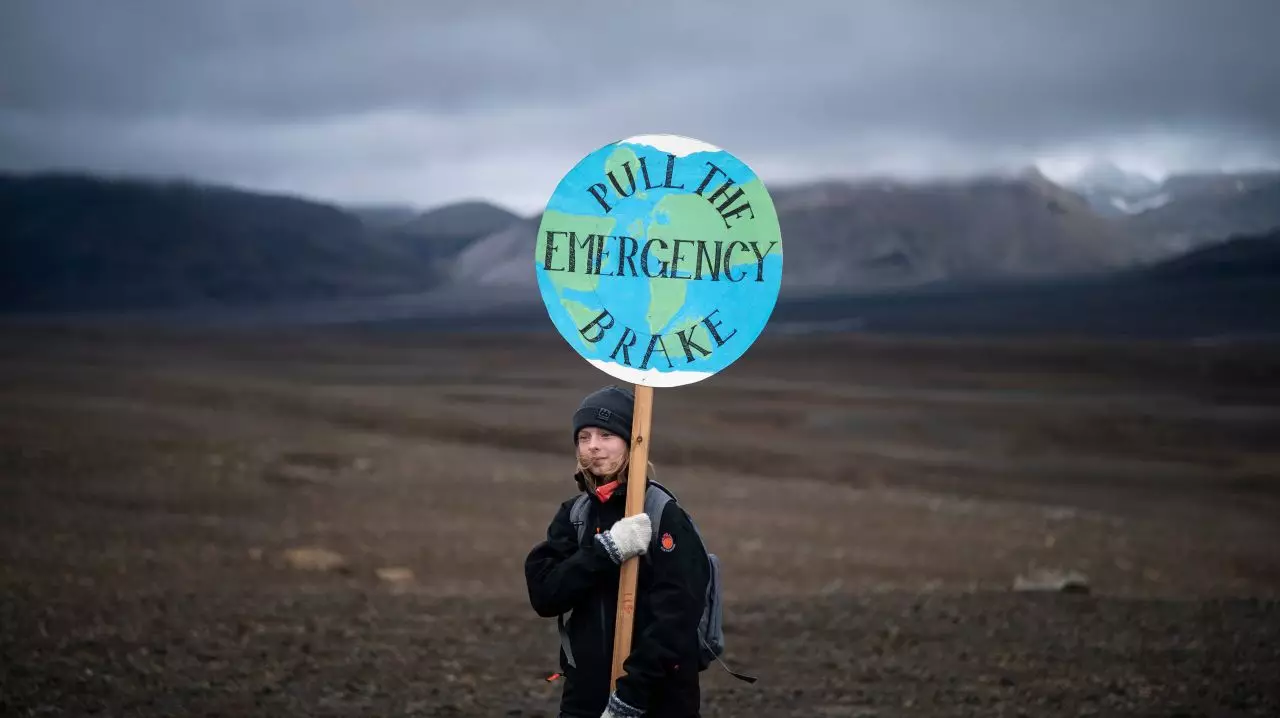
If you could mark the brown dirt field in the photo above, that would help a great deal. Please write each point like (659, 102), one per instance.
(872, 500)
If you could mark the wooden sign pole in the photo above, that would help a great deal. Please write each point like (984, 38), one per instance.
(637, 481)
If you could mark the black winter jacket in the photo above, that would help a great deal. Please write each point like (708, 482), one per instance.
(661, 673)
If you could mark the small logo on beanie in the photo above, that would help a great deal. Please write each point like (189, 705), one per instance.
(604, 414)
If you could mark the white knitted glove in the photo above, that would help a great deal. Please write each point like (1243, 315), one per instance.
(629, 537)
(618, 709)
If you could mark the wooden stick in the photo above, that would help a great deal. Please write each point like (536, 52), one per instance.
(637, 481)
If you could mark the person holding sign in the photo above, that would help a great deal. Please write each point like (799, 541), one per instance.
(575, 572)
(659, 259)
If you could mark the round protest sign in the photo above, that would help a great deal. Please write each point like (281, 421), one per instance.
(659, 259)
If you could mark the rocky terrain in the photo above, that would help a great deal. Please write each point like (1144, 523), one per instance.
(327, 523)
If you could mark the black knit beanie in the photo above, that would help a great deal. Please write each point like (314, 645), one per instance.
(609, 409)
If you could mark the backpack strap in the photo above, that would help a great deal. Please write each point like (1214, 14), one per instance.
(578, 515)
(562, 627)
(578, 519)
(656, 498)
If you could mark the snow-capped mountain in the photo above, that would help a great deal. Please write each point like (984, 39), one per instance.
(1114, 192)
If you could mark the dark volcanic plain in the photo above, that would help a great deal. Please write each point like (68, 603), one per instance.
(333, 523)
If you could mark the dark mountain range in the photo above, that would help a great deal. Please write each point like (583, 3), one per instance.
(1204, 209)
(1226, 291)
(1182, 212)
(383, 216)
(867, 235)
(877, 254)
(441, 233)
(1245, 257)
(1114, 192)
(471, 219)
(879, 234)
(74, 242)
(501, 259)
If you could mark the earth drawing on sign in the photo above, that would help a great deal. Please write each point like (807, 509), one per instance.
(659, 259)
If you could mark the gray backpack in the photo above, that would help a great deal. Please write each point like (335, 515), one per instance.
(711, 624)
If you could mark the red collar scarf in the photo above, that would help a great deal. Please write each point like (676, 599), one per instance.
(604, 492)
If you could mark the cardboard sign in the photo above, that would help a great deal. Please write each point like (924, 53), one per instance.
(659, 259)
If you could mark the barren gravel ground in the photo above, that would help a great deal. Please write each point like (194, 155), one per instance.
(333, 523)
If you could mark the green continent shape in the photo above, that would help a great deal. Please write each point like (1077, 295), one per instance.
(615, 164)
(582, 226)
(765, 215)
(577, 280)
(581, 315)
(698, 219)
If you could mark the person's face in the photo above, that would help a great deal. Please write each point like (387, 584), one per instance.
(602, 451)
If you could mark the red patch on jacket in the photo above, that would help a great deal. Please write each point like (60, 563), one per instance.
(668, 544)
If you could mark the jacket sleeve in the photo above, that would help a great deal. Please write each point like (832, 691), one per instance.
(676, 596)
(560, 573)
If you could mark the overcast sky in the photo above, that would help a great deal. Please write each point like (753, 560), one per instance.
(410, 102)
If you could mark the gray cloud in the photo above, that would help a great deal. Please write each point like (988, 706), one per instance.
(407, 101)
